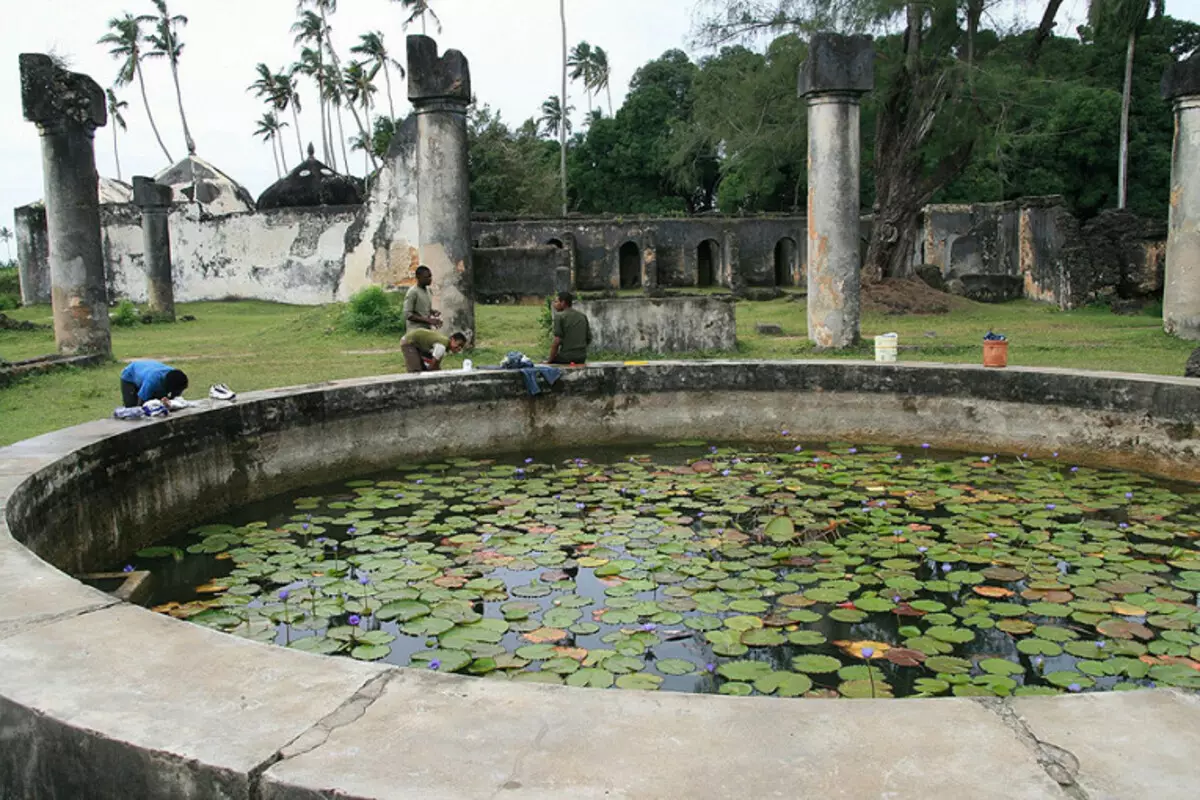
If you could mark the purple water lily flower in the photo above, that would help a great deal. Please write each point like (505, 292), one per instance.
(1055, 454)
(710, 667)
(304, 526)
(899, 457)
(946, 567)
(364, 579)
(895, 598)
(699, 513)
(816, 459)
(581, 506)
(922, 549)
(1037, 661)
(1100, 643)
(1051, 506)
(1024, 455)
(986, 459)
(784, 433)
(529, 460)
(991, 535)
(1062, 567)
(351, 529)
(1074, 469)
(867, 652)
(1074, 687)
(322, 539)
(852, 450)
(648, 626)
(520, 471)
(712, 449)
(354, 619)
(420, 480)
(127, 568)
(1122, 525)
(725, 472)
(924, 445)
(283, 594)
(1129, 495)
(435, 663)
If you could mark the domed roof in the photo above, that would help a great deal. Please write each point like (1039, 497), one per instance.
(195, 180)
(312, 184)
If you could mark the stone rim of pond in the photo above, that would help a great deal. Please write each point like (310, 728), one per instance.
(139, 700)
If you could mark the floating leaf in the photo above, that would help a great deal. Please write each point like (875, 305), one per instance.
(816, 664)
(643, 681)
(785, 684)
(592, 677)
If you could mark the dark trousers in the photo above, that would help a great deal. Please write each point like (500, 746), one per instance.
(129, 394)
(413, 362)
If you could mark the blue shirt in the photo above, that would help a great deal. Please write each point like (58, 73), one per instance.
(150, 378)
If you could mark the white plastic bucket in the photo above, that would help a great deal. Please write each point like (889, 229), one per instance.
(467, 365)
(885, 348)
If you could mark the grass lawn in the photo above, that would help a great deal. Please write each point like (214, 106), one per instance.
(253, 345)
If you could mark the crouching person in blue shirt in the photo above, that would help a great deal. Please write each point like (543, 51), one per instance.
(143, 381)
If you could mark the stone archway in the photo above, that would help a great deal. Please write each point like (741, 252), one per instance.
(708, 262)
(785, 261)
(630, 265)
(555, 243)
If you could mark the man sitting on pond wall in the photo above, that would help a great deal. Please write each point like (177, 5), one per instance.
(571, 333)
(424, 349)
(418, 303)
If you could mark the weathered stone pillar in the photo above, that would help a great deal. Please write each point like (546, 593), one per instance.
(649, 262)
(839, 69)
(1181, 283)
(33, 254)
(730, 273)
(67, 108)
(154, 199)
(440, 90)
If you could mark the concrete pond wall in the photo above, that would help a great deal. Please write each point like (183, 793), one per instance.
(102, 699)
(661, 324)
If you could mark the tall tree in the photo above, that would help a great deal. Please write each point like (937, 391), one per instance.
(336, 90)
(359, 81)
(582, 68)
(601, 74)
(115, 106)
(268, 130)
(565, 110)
(165, 43)
(310, 31)
(6, 236)
(372, 46)
(553, 119)
(1123, 18)
(278, 89)
(418, 10)
(125, 40)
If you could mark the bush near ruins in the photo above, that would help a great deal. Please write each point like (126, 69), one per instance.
(10, 287)
(373, 310)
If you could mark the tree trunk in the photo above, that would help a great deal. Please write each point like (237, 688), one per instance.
(282, 155)
(150, 115)
(332, 161)
(387, 77)
(337, 65)
(116, 153)
(275, 158)
(608, 90)
(912, 37)
(187, 133)
(562, 107)
(1126, 97)
(342, 134)
(299, 140)
(1043, 31)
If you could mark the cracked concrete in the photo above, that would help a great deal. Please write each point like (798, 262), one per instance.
(1061, 765)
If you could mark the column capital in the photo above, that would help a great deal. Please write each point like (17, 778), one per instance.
(151, 196)
(843, 66)
(443, 81)
(55, 99)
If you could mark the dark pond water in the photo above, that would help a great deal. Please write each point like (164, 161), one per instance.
(794, 569)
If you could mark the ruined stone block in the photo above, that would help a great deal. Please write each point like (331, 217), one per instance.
(838, 63)
(148, 194)
(50, 95)
(1182, 78)
(431, 77)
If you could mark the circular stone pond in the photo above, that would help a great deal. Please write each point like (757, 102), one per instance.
(882, 567)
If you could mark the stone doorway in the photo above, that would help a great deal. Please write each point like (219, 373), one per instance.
(708, 262)
(785, 261)
(631, 265)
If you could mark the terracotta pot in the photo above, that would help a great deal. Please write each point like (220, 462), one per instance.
(995, 354)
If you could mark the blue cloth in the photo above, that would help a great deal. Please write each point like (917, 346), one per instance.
(530, 374)
(150, 378)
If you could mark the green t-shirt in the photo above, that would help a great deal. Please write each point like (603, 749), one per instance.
(425, 339)
(572, 328)
(419, 301)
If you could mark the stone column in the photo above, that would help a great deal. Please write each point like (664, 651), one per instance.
(440, 90)
(67, 108)
(730, 272)
(649, 263)
(33, 254)
(154, 199)
(1181, 284)
(839, 70)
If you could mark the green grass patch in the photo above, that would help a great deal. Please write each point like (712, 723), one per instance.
(255, 345)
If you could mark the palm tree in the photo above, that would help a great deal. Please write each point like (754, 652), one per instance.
(278, 89)
(552, 117)
(601, 73)
(310, 30)
(564, 109)
(125, 38)
(268, 129)
(6, 236)
(336, 93)
(166, 44)
(371, 45)
(417, 10)
(115, 106)
(580, 64)
(1123, 18)
(359, 81)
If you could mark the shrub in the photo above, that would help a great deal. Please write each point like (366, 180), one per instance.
(546, 321)
(125, 315)
(10, 287)
(373, 310)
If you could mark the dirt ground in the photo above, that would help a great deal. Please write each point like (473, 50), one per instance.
(909, 296)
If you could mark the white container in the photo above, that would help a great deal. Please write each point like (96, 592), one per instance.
(467, 365)
(885, 348)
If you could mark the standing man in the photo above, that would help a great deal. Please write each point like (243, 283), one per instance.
(572, 334)
(418, 303)
(421, 345)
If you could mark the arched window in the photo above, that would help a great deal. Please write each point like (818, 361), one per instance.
(631, 265)
(785, 261)
(708, 262)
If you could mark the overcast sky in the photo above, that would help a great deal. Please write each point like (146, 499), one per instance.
(513, 47)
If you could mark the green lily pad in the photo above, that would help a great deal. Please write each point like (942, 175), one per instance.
(643, 681)
(785, 684)
(816, 664)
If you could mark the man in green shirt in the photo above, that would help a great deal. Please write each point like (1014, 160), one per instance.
(572, 335)
(418, 303)
(421, 345)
